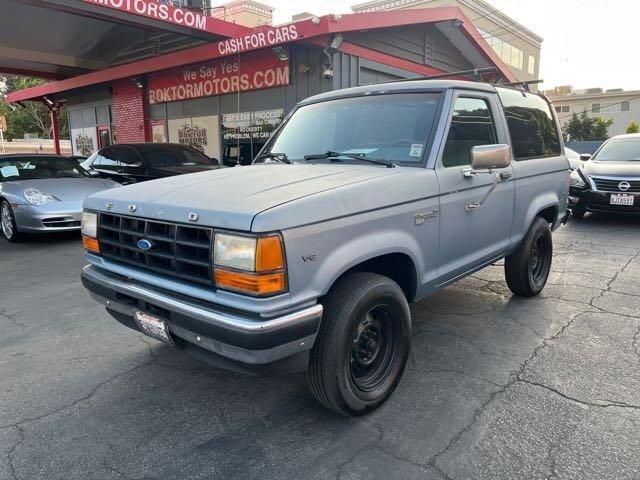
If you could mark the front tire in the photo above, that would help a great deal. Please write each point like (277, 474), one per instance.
(8, 223)
(363, 344)
(527, 269)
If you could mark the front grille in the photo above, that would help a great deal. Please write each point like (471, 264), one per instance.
(611, 185)
(177, 250)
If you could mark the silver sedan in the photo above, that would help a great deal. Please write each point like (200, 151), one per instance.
(41, 194)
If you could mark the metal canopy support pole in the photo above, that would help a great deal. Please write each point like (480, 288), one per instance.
(54, 129)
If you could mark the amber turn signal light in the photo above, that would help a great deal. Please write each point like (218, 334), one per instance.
(269, 254)
(252, 283)
(90, 244)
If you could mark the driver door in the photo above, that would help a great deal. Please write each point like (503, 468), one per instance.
(474, 228)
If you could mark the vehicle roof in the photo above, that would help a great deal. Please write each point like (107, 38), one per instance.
(149, 145)
(401, 86)
(626, 136)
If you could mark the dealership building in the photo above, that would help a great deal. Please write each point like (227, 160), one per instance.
(218, 79)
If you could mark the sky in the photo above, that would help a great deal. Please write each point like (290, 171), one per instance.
(587, 43)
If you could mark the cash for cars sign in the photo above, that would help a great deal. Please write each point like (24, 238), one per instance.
(228, 75)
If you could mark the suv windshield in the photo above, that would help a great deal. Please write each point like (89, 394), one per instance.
(393, 127)
(619, 150)
(163, 156)
(25, 167)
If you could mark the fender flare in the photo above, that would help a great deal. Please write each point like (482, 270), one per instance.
(540, 203)
(363, 248)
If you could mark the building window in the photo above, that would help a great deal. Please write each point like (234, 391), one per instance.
(625, 106)
(509, 54)
(611, 108)
(563, 109)
(531, 69)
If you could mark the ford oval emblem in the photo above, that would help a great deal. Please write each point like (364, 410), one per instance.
(144, 245)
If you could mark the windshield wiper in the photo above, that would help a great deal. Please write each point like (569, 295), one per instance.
(279, 157)
(356, 156)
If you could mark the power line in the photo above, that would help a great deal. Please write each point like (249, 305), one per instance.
(593, 110)
(511, 24)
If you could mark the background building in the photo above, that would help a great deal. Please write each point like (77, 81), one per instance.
(517, 46)
(244, 12)
(616, 104)
(220, 82)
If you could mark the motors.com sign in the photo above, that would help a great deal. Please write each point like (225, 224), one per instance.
(251, 72)
(157, 11)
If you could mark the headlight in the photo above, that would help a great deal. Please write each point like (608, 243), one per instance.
(249, 264)
(37, 198)
(235, 251)
(576, 180)
(89, 229)
(89, 224)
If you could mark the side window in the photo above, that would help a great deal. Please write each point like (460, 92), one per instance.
(531, 124)
(106, 159)
(471, 125)
(128, 157)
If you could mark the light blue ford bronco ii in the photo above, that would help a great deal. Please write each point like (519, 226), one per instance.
(363, 201)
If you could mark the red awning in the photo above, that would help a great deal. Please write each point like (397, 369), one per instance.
(450, 20)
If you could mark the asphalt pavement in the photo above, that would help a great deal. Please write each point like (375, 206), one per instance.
(497, 387)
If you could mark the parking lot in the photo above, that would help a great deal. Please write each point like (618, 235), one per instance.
(497, 386)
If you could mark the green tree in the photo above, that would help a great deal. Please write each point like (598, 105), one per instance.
(583, 127)
(633, 127)
(33, 117)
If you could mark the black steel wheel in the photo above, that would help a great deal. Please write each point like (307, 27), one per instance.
(527, 269)
(374, 346)
(362, 346)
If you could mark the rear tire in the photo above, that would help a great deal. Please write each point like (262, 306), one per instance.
(527, 269)
(8, 223)
(362, 346)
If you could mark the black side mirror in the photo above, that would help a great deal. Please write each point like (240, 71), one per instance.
(585, 156)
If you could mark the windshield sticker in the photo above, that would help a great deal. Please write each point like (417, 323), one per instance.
(10, 171)
(416, 150)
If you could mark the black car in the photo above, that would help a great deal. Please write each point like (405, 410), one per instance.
(131, 163)
(608, 181)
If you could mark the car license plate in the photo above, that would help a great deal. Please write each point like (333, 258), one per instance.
(154, 327)
(622, 199)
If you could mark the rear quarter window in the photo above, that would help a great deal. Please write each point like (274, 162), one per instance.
(531, 124)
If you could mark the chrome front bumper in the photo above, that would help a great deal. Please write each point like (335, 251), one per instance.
(238, 336)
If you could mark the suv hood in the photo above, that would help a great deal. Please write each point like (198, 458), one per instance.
(231, 197)
(612, 169)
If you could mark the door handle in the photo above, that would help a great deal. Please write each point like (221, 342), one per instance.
(504, 176)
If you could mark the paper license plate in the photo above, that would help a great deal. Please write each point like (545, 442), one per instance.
(622, 199)
(154, 327)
